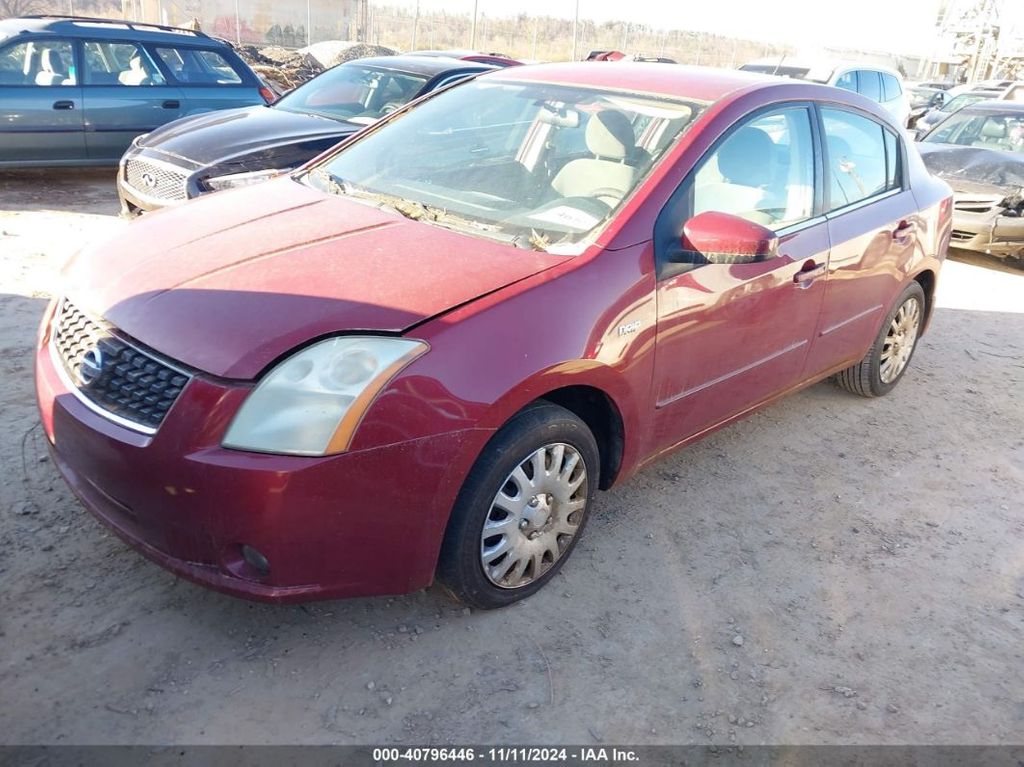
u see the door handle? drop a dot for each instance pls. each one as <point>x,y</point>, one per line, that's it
<point>63,104</point>
<point>809,272</point>
<point>171,104</point>
<point>902,232</point>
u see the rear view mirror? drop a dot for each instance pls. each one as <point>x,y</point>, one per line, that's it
<point>560,117</point>
<point>722,238</point>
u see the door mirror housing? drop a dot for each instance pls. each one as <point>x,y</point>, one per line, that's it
<point>722,238</point>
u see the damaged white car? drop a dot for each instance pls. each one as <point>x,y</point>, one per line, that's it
<point>979,151</point>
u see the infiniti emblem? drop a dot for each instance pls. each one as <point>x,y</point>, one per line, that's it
<point>149,180</point>
<point>91,367</point>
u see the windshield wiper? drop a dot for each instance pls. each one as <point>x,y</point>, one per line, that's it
<point>418,211</point>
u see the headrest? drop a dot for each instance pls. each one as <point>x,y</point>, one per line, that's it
<point>610,134</point>
<point>53,61</point>
<point>746,157</point>
<point>136,63</point>
<point>993,129</point>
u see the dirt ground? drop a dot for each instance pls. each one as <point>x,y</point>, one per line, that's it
<point>832,570</point>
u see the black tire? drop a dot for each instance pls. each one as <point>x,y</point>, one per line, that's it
<point>460,569</point>
<point>865,378</point>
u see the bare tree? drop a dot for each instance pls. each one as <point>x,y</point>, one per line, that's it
<point>10,8</point>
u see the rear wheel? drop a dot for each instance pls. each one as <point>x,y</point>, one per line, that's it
<point>522,508</point>
<point>890,355</point>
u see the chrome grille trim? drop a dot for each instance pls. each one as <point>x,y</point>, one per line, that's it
<point>169,181</point>
<point>128,384</point>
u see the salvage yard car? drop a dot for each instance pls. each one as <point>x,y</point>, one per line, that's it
<point>951,105</point>
<point>979,151</point>
<point>425,352</point>
<point>878,83</point>
<point>212,152</point>
<point>77,91</point>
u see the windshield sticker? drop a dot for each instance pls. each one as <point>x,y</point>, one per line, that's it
<point>570,217</point>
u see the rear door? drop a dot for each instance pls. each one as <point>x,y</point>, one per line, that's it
<point>40,102</point>
<point>209,79</point>
<point>125,94</point>
<point>733,335</point>
<point>873,227</point>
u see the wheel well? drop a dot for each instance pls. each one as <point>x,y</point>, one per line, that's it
<point>601,416</point>
<point>926,280</point>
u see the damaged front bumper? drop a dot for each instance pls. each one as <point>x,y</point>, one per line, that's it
<point>992,224</point>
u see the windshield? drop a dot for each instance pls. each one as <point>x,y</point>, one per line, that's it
<point>961,101</point>
<point>354,92</point>
<point>987,130</point>
<point>534,164</point>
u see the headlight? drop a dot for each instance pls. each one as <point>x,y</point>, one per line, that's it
<point>311,403</point>
<point>232,180</point>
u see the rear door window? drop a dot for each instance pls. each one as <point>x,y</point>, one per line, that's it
<point>199,66</point>
<point>119,64</point>
<point>38,62</point>
<point>890,87</point>
<point>869,84</point>
<point>863,158</point>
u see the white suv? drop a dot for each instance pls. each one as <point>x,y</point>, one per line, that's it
<point>878,83</point>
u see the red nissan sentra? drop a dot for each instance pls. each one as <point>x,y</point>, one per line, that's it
<point>424,353</point>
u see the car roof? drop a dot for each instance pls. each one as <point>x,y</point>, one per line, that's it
<point>429,66</point>
<point>823,68</point>
<point>673,80</point>
<point>111,29</point>
<point>995,106</point>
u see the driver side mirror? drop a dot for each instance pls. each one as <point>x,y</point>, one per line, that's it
<point>722,238</point>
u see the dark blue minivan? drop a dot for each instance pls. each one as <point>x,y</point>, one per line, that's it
<point>77,91</point>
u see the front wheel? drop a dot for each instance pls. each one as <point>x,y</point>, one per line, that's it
<point>890,354</point>
<point>522,508</point>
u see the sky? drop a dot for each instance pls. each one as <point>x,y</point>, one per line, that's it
<point>895,26</point>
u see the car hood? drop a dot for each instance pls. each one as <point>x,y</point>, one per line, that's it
<point>230,282</point>
<point>974,169</point>
<point>214,137</point>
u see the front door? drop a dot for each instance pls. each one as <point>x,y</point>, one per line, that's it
<point>40,103</point>
<point>733,335</point>
<point>125,95</point>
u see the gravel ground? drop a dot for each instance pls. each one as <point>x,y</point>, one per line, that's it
<point>832,570</point>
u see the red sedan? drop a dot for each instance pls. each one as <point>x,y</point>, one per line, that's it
<point>422,354</point>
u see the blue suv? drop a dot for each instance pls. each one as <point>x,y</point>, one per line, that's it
<point>77,91</point>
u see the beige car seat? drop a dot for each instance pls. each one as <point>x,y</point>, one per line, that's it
<point>606,176</point>
<point>53,69</point>
<point>993,135</point>
<point>136,73</point>
<point>745,163</point>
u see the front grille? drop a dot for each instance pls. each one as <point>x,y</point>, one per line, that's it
<point>117,376</point>
<point>154,179</point>
<point>959,235</point>
<point>974,205</point>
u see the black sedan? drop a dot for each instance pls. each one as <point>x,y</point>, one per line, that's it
<point>236,147</point>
